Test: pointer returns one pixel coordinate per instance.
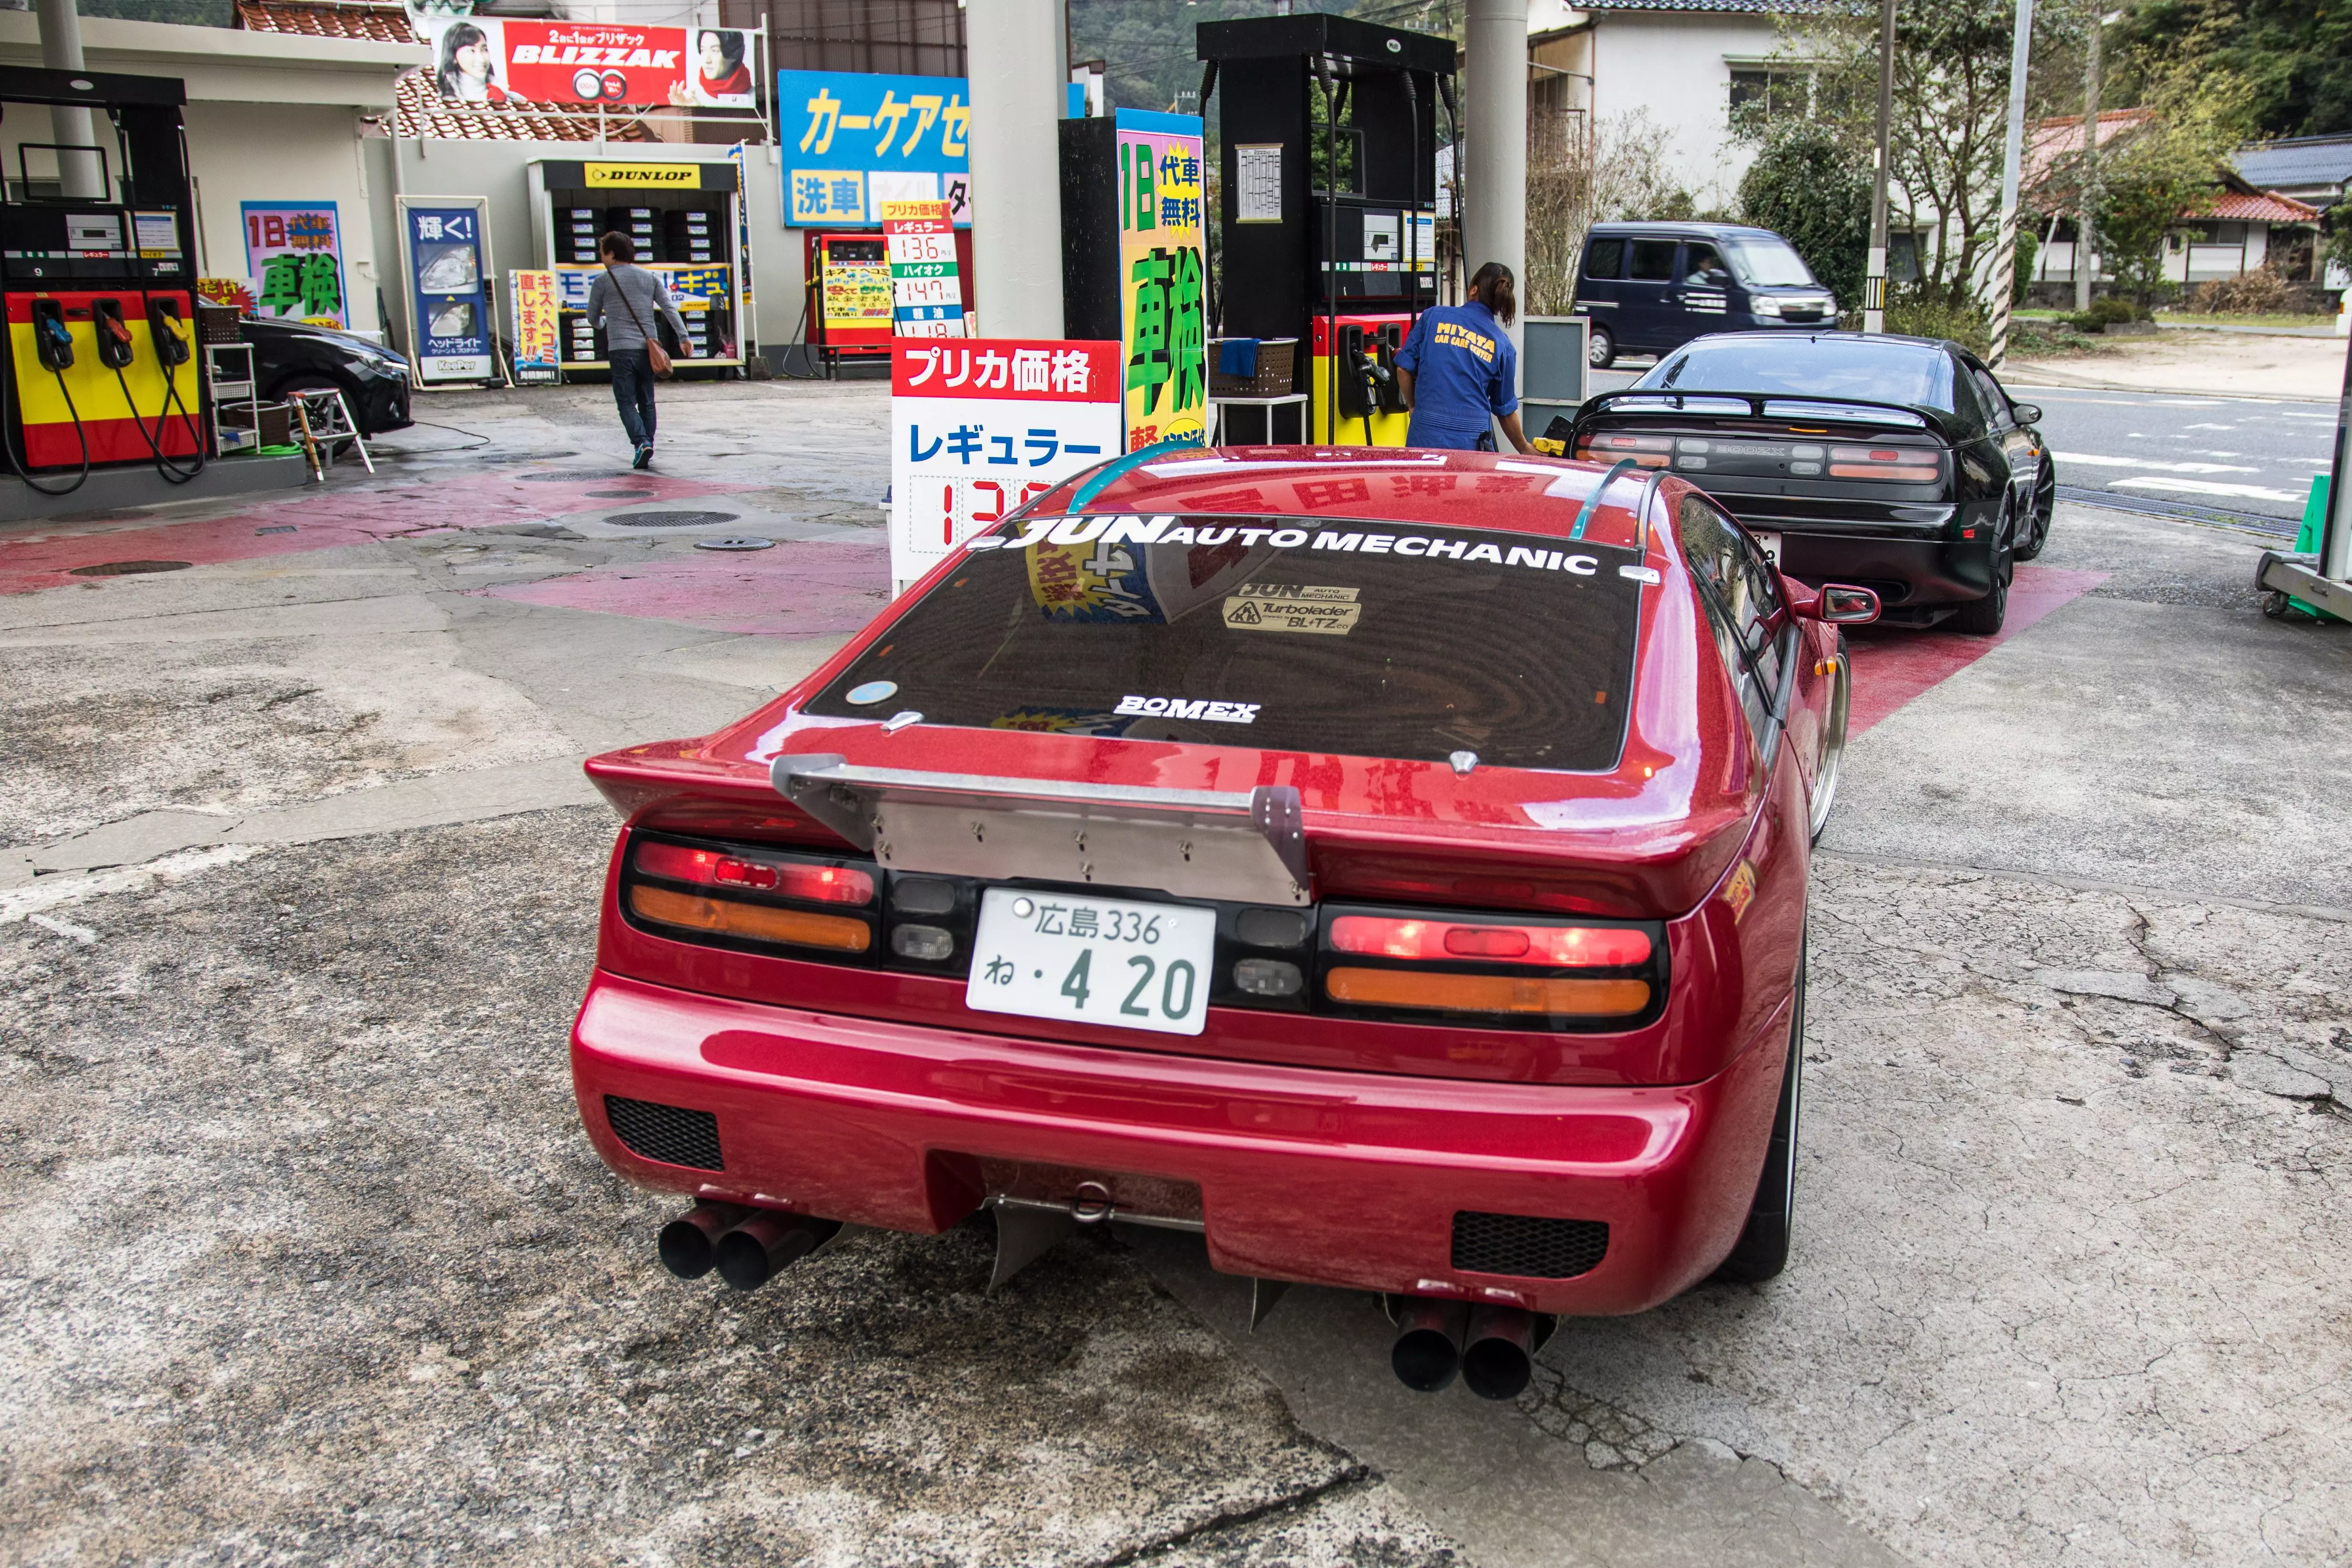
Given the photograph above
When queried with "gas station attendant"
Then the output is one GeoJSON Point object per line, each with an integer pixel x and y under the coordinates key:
{"type": "Point", "coordinates": [1457, 368]}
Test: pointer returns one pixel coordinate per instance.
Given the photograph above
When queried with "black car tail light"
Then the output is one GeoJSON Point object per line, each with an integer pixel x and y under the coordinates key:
{"type": "Point", "coordinates": [1608, 446]}
{"type": "Point", "coordinates": [1893, 465]}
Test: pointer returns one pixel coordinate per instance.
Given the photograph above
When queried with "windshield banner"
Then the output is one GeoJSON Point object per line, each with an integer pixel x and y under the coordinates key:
{"type": "Point", "coordinates": [981, 427]}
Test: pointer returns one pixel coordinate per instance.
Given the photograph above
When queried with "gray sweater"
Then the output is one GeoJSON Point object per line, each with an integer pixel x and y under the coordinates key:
{"type": "Point", "coordinates": [645, 294]}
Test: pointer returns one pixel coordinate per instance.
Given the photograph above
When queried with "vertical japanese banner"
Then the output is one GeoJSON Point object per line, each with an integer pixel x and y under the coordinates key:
{"type": "Point", "coordinates": [979, 427]}
{"type": "Point", "coordinates": [531, 295]}
{"type": "Point", "coordinates": [747, 327]}
{"type": "Point", "coordinates": [445, 248]}
{"type": "Point", "coordinates": [294, 253]}
{"type": "Point", "coordinates": [1163, 272]}
{"type": "Point", "coordinates": [926, 290]}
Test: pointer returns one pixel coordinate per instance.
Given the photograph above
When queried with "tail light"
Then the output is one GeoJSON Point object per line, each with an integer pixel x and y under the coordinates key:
{"type": "Point", "coordinates": [1898, 465]}
{"type": "Point", "coordinates": [754, 897]}
{"type": "Point", "coordinates": [1415, 967]}
{"type": "Point", "coordinates": [1607, 447]}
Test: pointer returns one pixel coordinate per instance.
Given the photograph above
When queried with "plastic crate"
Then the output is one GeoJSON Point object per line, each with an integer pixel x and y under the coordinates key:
{"type": "Point", "coordinates": [1276, 368]}
{"type": "Point", "coordinates": [217, 323]}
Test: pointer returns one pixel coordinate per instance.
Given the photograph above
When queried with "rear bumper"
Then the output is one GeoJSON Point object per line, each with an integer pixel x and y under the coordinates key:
{"type": "Point", "coordinates": [1333, 1178]}
{"type": "Point", "coordinates": [1924, 571]}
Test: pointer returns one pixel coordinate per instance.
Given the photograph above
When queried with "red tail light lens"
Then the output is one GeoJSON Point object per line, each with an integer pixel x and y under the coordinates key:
{"type": "Point", "coordinates": [1552, 947]}
{"type": "Point", "coordinates": [1901, 465]}
{"type": "Point", "coordinates": [788, 880]}
{"type": "Point", "coordinates": [1649, 451]}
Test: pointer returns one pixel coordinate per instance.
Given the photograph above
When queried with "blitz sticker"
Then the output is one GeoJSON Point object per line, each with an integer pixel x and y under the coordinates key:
{"type": "Point", "coordinates": [1283, 607]}
{"type": "Point", "coordinates": [1740, 891]}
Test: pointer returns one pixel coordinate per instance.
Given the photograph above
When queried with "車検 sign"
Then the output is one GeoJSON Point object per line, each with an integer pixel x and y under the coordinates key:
{"type": "Point", "coordinates": [852, 142]}
{"type": "Point", "coordinates": [979, 427]}
{"type": "Point", "coordinates": [1162, 278]}
{"type": "Point", "coordinates": [294, 255]}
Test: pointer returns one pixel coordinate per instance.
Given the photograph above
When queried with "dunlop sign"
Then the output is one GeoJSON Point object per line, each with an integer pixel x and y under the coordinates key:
{"type": "Point", "coordinates": [643, 176]}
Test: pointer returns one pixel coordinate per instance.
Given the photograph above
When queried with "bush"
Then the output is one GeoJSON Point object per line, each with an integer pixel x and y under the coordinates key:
{"type": "Point", "coordinates": [1921, 318]}
{"type": "Point", "coordinates": [2108, 311]}
{"type": "Point", "coordinates": [1814, 193]}
{"type": "Point", "coordinates": [2262, 292]}
{"type": "Point", "coordinates": [2029, 252]}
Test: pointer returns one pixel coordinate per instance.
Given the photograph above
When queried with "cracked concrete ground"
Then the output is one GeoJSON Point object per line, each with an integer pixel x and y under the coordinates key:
{"type": "Point", "coordinates": [302, 1256]}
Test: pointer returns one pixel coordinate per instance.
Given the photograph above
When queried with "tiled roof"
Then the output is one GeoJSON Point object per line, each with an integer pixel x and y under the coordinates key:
{"type": "Point", "coordinates": [418, 112]}
{"type": "Point", "coordinates": [1745, 7]}
{"type": "Point", "coordinates": [2301, 161]}
{"type": "Point", "coordinates": [2262, 206]}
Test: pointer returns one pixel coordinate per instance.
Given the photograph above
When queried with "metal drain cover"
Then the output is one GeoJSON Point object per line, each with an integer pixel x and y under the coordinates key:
{"type": "Point", "coordinates": [130, 568]}
{"type": "Point", "coordinates": [744, 543]}
{"type": "Point", "coordinates": [669, 519]}
{"type": "Point", "coordinates": [526, 457]}
{"type": "Point", "coordinates": [618, 495]}
{"type": "Point", "coordinates": [574, 474]}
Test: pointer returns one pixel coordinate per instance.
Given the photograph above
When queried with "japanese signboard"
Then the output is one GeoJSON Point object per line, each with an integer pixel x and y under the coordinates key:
{"type": "Point", "coordinates": [488, 59]}
{"type": "Point", "coordinates": [445, 248]}
{"type": "Point", "coordinates": [979, 427]}
{"type": "Point", "coordinates": [852, 142]}
{"type": "Point", "coordinates": [926, 290]}
{"type": "Point", "coordinates": [1162, 278]}
{"type": "Point", "coordinates": [294, 252]}
{"type": "Point", "coordinates": [531, 295]}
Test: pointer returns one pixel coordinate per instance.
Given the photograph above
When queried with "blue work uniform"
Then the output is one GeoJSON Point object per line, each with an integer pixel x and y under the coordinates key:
{"type": "Point", "coordinates": [1464, 371]}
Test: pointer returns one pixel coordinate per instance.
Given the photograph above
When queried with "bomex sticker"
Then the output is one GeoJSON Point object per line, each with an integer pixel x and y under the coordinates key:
{"type": "Point", "coordinates": [1178, 708]}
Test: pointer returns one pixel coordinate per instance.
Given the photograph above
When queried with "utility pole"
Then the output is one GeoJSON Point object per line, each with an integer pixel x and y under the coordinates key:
{"type": "Point", "coordinates": [2086, 262]}
{"type": "Point", "coordinates": [1873, 283]}
{"type": "Point", "coordinates": [2013, 159]}
{"type": "Point", "coordinates": [79, 173]}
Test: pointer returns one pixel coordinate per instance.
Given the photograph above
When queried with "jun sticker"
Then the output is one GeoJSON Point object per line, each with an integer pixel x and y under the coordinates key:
{"type": "Point", "coordinates": [1178, 708]}
{"type": "Point", "coordinates": [1284, 607]}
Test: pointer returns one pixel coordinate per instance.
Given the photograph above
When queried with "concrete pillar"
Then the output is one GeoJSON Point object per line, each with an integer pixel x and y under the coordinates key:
{"type": "Point", "coordinates": [80, 172]}
{"type": "Point", "coordinates": [1495, 165]}
{"type": "Point", "coordinates": [1015, 51]}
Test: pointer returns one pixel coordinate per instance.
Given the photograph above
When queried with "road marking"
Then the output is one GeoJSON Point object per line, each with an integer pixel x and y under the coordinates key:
{"type": "Point", "coordinates": [2209, 426]}
{"type": "Point", "coordinates": [2152, 463]}
{"type": "Point", "coordinates": [2206, 488]}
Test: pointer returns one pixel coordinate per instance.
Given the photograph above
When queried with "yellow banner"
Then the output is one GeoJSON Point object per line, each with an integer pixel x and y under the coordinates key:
{"type": "Point", "coordinates": [680, 176]}
{"type": "Point", "coordinates": [1163, 297]}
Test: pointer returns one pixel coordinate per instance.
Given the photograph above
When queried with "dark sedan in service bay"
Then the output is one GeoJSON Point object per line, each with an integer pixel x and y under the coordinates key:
{"type": "Point", "coordinates": [1896, 464]}
{"type": "Point", "coordinates": [294, 356]}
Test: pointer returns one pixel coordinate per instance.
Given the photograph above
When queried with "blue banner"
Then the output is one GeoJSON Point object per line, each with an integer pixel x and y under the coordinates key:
{"type": "Point", "coordinates": [453, 333]}
{"type": "Point", "coordinates": [852, 142]}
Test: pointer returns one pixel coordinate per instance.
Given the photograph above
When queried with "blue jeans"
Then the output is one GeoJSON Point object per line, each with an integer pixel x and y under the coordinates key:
{"type": "Point", "coordinates": [633, 389]}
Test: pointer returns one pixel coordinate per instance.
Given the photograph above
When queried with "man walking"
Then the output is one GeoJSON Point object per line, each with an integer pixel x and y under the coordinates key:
{"type": "Point", "coordinates": [623, 301]}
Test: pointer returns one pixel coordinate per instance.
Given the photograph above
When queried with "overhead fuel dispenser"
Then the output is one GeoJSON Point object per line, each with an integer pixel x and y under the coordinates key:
{"type": "Point", "coordinates": [96, 289]}
{"type": "Point", "coordinates": [1330, 200]}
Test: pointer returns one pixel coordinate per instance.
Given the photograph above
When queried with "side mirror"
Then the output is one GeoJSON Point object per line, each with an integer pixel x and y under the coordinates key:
{"type": "Point", "coordinates": [2026, 412]}
{"type": "Point", "coordinates": [1834, 603]}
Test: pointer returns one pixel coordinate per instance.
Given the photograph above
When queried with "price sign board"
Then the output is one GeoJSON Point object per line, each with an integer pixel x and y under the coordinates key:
{"type": "Point", "coordinates": [979, 427]}
{"type": "Point", "coordinates": [926, 290]}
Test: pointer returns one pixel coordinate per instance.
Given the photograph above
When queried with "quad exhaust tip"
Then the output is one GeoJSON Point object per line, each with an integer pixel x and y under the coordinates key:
{"type": "Point", "coordinates": [1491, 1349]}
{"type": "Point", "coordinates": [749, 1246]}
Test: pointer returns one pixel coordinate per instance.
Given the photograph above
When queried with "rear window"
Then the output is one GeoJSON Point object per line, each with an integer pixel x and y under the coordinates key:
{"type": "Point", "coordinates": [1359, 638]}
{"type": "Point", "coordinates": [1654, 259]}
{"type": "Point", "coordinates": [1810, 368]}
{"type": "Point", "coordinates": [1605, 259]}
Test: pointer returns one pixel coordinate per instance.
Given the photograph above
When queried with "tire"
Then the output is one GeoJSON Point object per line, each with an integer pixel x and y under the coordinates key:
{"type": "Point", "coordinates": [2045, 502]}
{"type": "Point", "coordinates": [1833, 757]}
{"type": "Point", "coordinates": [1601, 349]}
{"type": "Point", "coordinates": [1762, 1250]}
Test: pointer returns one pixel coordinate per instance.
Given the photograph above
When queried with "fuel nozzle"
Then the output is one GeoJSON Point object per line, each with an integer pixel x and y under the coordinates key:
{"type": "Point", "coordinates": [169, 330]}
{"type": "Point", "coordinates": [115, 349]}
{"type": "Point", "coordinates": [51, 340]}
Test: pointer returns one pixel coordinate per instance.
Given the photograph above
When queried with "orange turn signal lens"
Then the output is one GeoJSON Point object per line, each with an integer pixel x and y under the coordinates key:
{"type": "Point", "coordinates": [1556, 947]}
{"type": "Point", "coordinates": [1487, 993]}
{"type": "Point", "coordinates": [721, 916]}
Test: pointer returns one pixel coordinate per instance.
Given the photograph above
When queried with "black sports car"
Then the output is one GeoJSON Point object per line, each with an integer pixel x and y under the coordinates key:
{"type": "Point", "coordinates": [1898, 464]}
{"type": "Point", "coordinates": [293, 356]}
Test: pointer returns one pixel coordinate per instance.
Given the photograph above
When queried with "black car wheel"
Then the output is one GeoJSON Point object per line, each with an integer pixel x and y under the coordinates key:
{"type": "Point", "coordinates": [1601, 348]}
{"type": "Point", "coordinates": [1833, 757]}
{"type": "Point", "coordinates": [1762, 1250]}
{"type": "Point", "coordinates": [2045, 502]}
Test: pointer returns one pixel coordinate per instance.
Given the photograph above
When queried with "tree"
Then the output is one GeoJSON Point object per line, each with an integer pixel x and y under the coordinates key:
{"type": "Point", "coordinates": [2295, 55]}
{"type": "Point", "coordinates": [1813, 189]}
{"type": "Point", "coordinates": [1575, 180]}
{"type": "Point", "coordinates": [2155, 175]}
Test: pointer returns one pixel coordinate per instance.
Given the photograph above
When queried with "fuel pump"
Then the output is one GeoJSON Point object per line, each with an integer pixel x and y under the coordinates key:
{"type": "Point", "coordinates": [80, 392]}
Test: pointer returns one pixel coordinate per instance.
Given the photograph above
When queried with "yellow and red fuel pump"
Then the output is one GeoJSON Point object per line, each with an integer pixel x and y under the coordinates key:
{"type": "Point", "coordinates": [96, 290]}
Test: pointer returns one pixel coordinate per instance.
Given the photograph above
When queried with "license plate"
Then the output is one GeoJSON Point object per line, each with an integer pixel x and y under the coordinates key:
{"type": "Point", "coordinates": [1770, 545]}
{"type": "Point", "coordinates": [1094, 961]}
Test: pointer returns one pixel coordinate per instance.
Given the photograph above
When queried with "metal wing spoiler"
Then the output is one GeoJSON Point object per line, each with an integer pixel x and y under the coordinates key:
{"type": "Point", "coordinates": [1191, 843]}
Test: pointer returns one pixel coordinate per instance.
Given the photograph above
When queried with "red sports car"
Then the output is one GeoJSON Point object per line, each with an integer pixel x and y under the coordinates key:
{"type": "Point", "coordinates": [1390, 864]}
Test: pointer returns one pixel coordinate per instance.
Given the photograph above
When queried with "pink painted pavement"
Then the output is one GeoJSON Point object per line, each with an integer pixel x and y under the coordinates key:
{"type": "Point", "coordinates": [791, 591]}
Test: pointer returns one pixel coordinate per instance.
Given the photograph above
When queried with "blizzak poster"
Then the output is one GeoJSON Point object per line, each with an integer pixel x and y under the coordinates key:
{"type": "Point", "coordinates": [294, 253]}
{"type": "Point", "coordinates": [484, 60]}
{"type": "Point", "coordinates": [1163, 305]}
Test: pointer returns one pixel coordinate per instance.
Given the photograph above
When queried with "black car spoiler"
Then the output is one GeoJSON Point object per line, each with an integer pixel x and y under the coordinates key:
{"type": "Point", "coordinates": [1756, 402]}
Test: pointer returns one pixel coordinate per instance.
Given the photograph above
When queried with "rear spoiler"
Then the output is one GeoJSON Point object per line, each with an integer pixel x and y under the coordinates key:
{"type": "Point", "coordinates": [1761, 405]}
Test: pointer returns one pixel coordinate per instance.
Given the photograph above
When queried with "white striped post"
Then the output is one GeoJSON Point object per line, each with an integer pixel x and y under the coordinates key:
{"type": "Point", "coordinates": [2013, 158]}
